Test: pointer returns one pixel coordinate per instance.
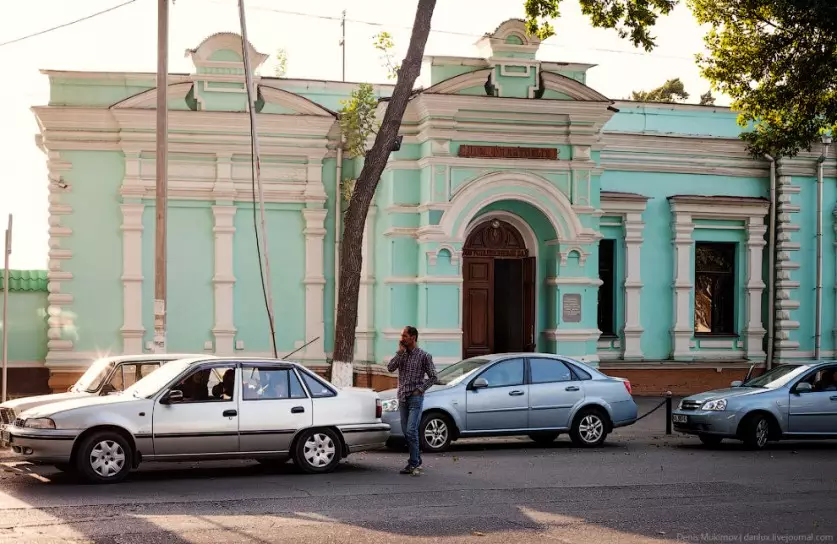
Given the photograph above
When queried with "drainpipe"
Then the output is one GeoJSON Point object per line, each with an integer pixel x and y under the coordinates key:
{"type": "Point", "coordinates": [826, 141]}
{"type": "Point", "coordinates": [771, 259]}
{"type": "Point", "coordinates": [338, 222]}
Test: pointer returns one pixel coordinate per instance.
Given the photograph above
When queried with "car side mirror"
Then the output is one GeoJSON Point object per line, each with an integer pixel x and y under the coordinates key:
{"type": "Point", "coordinates": [736, 383]}
{"type": "Point", "coordinates": [172, 397]}
{"type": "Point", "coordinates": [480, 383]}
{"type": "Point", "coordinates": [107, 389]}
{"type": "Point", "coordinates": [803, 387]}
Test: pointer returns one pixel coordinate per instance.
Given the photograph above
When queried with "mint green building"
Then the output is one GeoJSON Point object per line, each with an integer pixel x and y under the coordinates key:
{"type": "Point", "coordinates": [523, 211]}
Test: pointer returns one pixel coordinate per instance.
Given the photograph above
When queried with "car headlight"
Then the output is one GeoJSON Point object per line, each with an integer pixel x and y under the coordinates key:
{"type": "Point", "coordinates": [39, 423]}
{"type": "Point", "coordinates": [715, 405]}
{"type": "Point", "coordinates": [680, 404]}
{"type": "Point", "coordinates": [390, 405]}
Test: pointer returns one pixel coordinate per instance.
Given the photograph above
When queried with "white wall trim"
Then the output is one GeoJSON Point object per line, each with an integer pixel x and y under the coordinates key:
{"type": "Point", "coordinates": [461, 82]}
{"type": "Point", "coordinates": [572, 335]}
{"type": "Point", "coordinates": [442, 280]}
{"type": "Point", "coordinates": [429, 335]}
{"type": "Point", "coordinates": [364, 338]}
{"type": "Point", "coordinates": [132, 278]}
{"type": "Point", "coordinates": [223, 279]}
{"type": "Point", "coordinates": [314, 280]}
{"type": "Point", "coordinates": [573, 280]}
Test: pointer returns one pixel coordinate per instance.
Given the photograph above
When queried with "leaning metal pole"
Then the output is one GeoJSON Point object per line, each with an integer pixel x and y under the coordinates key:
{"type": "Point", "coordinates": [5, 322]}
{"type": "Point", "coordinates": [256, 165]}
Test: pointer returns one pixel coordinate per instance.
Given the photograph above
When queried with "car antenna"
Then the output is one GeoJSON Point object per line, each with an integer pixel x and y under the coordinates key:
{"type": "Point", "coordinates": [301, 347]}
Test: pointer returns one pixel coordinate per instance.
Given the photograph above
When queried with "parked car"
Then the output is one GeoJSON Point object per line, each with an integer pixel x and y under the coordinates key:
{"type": "Point", "coordinates": [103, 377]}
{"type": "Point", "coordinates": [204, 408]}
{"type": "Point", "coordinates": [791, 401]}
{"type": "Point", "coordinates": [536, 394]}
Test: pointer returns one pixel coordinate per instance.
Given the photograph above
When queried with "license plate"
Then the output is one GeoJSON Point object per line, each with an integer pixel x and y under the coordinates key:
{"type": "Point", "coordinates": [679, 419]}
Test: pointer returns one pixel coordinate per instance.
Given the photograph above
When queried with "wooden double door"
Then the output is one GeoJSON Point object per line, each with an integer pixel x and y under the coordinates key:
{"type": "Point", "coordinates": [498, 294]}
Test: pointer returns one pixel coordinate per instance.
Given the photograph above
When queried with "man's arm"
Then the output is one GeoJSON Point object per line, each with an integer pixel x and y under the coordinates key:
{"type": "Point", "coordinates": [430, 370]}
{"type": "Point", "coordinates": [396, 361]}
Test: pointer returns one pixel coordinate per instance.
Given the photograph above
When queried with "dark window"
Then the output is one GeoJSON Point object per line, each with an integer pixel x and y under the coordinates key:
{"type": "Point", "coordinates": [549, 371]}
{"type": "Point", "coordinates": [715, 288]}
{"type": "Point", "coordinates": [208, 385]}
{"type": "Point", "coordinates": [607, 301]}
{"type": "Point", "coordinates": [317, 388]}
{"type": "Point", "coordinates": [505, 374]}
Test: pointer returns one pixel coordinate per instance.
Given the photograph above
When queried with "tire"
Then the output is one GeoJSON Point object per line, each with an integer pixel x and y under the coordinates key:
{"type": "Point", "coordinates": [589, 428]}
{"type": "Point", "coordinates": [543, 438]}
{"type": "Point", "coordinates": [317, 451]}
{"type": "Point", "coordinates": [435, 432]}
{"type": "Point", "coordinates": [755, 431]}
{"type": "Point", "coordinates": [104, 458]}
{"type": "Point", "coordinates": [710, 440]}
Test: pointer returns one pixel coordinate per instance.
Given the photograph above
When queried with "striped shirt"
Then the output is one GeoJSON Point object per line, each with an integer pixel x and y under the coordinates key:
{"type": "Point", "coordinates": [412, 366]}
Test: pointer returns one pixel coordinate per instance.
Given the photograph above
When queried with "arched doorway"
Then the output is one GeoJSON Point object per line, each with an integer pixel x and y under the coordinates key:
{"type": "Point", "coordinates": [498, 292]}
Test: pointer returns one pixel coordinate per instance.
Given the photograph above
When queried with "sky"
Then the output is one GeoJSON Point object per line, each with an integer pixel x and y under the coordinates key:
{"type": "Point", "coordinates": [125, 40]}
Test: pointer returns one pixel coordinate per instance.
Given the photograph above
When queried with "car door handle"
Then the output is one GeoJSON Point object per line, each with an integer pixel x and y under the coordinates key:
{"type": "Point", "coordinates": [515, 393]}
{"type": "Point", "coordinates": [297, 410]}
{"type": "Point", "coordinates": [571, 388]}
{"type": "Point", "coordinates": [230, 413]}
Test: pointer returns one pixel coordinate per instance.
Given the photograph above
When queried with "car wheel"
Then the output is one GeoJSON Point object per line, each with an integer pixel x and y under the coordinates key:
{"type": "Point", "coordinates": [589, 428]}
{"type": "Point", "coordinates": [104, 458]}
{"type": "Point", "coordinates": [317, 451]}
{"type": "Point", "coordinates": [435, 432]}
{"type": "Point", "coordinates": [756, 432]}
{"type": "Point", "coordinates": [710, 440]}
{"type": "Point", "coordinates": [543, 438]}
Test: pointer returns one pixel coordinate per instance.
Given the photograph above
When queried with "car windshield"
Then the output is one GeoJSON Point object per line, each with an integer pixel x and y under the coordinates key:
{"type": "Point", "coordinates": [91, 380]}
{"type": "Point", "coordinates": [457, 372]}
{"type": "Point", "coordinates": [152, 383]}
{"type": "Point", "coordinates": [777, 377]}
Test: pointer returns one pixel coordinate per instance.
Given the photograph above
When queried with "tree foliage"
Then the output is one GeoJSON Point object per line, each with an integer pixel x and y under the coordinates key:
{"type": "Point", "coordinates": [672, 90]}
{"type": "Point", "coordinates": [281, 66]}
{"type": "Point", "coordinates": [707, 99]}
{"type": "Point", "coordinates": [385, 44]}
{"type": "Point", "coordinates": [777, 60]}
{"type": "Point", "coordinates": [632, 19]}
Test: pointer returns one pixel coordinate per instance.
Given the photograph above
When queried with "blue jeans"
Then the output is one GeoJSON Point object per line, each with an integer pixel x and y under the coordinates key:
{"type": "Point", "coordinates": [410, 419]}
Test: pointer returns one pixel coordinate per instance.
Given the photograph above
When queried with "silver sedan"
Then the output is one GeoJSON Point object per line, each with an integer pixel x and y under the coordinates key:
{"type": "Point", "coordinates": [205, 408]}
{"type": "Point", "coordinates": [536, 394]}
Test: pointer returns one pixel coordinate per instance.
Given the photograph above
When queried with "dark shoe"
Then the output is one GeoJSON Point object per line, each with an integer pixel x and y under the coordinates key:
{"type": "Point", "coordinates": [409, 469]}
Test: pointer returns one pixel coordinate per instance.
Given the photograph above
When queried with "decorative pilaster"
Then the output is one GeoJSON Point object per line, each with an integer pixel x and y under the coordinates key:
{"type": "Point", "coordinates": [785, 265]}
{"type": "Point", "coordinates": [365, 332]}
{"type": "Point", "coordinates": [834, 215]}
{"type": "Point", "coordinates": [224, 279]}
{"type": "Point", "coordinates": [58, 346]}
{"type": "Point", "coordinates": [633, 286]}
{"type": "Point", "coordinates": [755, 331]}
{"type": "Point", "coordinates": [681, 333]}
{"type": "Point", "coordinates": [132, 328]}
{"type": "Point", "coordinates": [314, 281]}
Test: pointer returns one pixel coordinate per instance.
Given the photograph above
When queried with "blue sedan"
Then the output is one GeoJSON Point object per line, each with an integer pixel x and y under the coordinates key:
{"type": "Point", "coordinates": [532, 394]}
{"type": "Point", "coordinates": [791, 401]}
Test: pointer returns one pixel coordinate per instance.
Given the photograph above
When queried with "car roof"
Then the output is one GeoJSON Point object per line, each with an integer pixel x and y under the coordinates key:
{"type": "Point", "coordinates": [495, 356]}
{"type": "Point", "coordinates": [221, 360]}
{"type": "Point", "coordinates": [157, 357]}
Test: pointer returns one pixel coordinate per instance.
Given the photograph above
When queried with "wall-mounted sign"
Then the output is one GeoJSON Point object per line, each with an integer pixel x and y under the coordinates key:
{"type": "Point", "coordinates": [501, 152]}
{"type": "Point", "coordinates": [571, 308]}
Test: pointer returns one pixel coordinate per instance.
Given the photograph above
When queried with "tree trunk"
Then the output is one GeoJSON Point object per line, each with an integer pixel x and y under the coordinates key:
{"type": "Point", "coordinates": [351, 259]}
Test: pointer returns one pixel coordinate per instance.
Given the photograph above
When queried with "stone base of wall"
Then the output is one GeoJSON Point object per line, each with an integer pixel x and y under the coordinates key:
{"type": "Point", "coordinates": [27, 382]}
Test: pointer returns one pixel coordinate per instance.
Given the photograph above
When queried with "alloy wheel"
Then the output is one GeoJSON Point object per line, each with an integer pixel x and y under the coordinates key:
{"type": "Point", "coordinates": [591, 428]}
{"type": "Point", "coordinates": [762, 432]}
{"type": "Point", "coordinates": [436, 433]}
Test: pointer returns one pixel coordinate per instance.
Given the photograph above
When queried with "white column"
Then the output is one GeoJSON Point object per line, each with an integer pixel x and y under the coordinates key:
{"type": "Point", "coordinates": [365, 331]}
{"type": "Point", "coordinates": [754, 332]}
{"type": "Point", "coordinates": [224, 279]}
{"type": "Point", "coordinates": [683, 329]}
{"type": "Point", "coordinates": [132, 328]}
{"type": "Point", "coordinates": [314, 281]}
{"type": "Point", "coordinates": [633, 287]}
{"type": "Point", "coordinates": [59, 344]}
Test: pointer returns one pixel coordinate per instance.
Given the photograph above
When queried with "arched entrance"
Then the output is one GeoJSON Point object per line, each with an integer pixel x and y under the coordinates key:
{"type": "Point", "coordinates": [498, 292]}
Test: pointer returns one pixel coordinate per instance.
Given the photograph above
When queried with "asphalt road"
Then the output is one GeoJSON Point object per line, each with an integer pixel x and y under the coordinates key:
{"type": "Point", "coordinates": [642, 486]}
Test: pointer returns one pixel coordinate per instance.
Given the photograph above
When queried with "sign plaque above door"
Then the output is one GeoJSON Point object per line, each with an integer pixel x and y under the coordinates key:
{"type": "Point", "coordinates": [502, 152]}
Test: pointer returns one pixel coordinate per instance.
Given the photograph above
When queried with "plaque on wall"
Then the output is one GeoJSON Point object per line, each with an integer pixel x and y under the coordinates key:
{"type": "Point", "coordinates": [506, 152]}
{"type": "Point", "coordinates": [571, 308]}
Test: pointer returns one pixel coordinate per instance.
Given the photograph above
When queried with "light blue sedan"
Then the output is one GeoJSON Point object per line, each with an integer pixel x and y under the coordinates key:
{"type": "Point", "coordinates": [791, 401]}
{"type": "Point", "coordinates": [536, 394]}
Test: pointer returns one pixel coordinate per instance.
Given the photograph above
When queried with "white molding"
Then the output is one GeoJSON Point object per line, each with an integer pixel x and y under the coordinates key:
{"type": "Point", "coordinates": [148, 99]}
{"type": "Point", "coordinates": [685, 209]}
{"type": "Point", "coordinates": [461, 82]}
{"type": "Point", "coordinates": [314, 280]}
{"type": "Point", "coordinates": [223, 279]}
{"type": "Point", "coordinates": [512, 219]}
{"type": "Point", "coordinates": [786, 286]}
{"type": "Point", "coordinates": [442, 280]}
{"type": "Point", "coordinates": [572, 88]}
{"type": "Point", "coordinates": [294, 102]}
{"type": "Point", "coordinates": [364, 337]}
{"type": "Point", "coordinates": [572, 335]}
{"type": "Point", "coordinates": [573, 280]}
{"type": "Point", "coordinates": [230, 41]}
{"type": "Point", "coordinates": [132, 228]}
{"type": "Point", "coordinates": [434, 335]}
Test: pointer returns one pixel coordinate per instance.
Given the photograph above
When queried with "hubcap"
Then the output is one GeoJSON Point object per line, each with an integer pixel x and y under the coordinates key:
{"type": "Point", "coordinates": [591, 428]}
{"type": "Point", "coordinates": [319, 450]}
{"type": "Point", "coordinates": [762, 431]}
{"type": "Point", "coordinates": [107, 458]}
{"type": "Point", "coordinates": [436, 433]}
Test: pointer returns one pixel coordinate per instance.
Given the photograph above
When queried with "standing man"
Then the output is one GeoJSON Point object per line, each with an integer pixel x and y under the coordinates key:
{"type": "Point", "coordinates": [412, 363]}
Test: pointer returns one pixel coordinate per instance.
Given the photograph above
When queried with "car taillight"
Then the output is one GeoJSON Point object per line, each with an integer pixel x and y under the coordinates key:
{"type": "Point", "coordinates": [628, 386]}
{"type": "Point", "coordinates": [379, 409]}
